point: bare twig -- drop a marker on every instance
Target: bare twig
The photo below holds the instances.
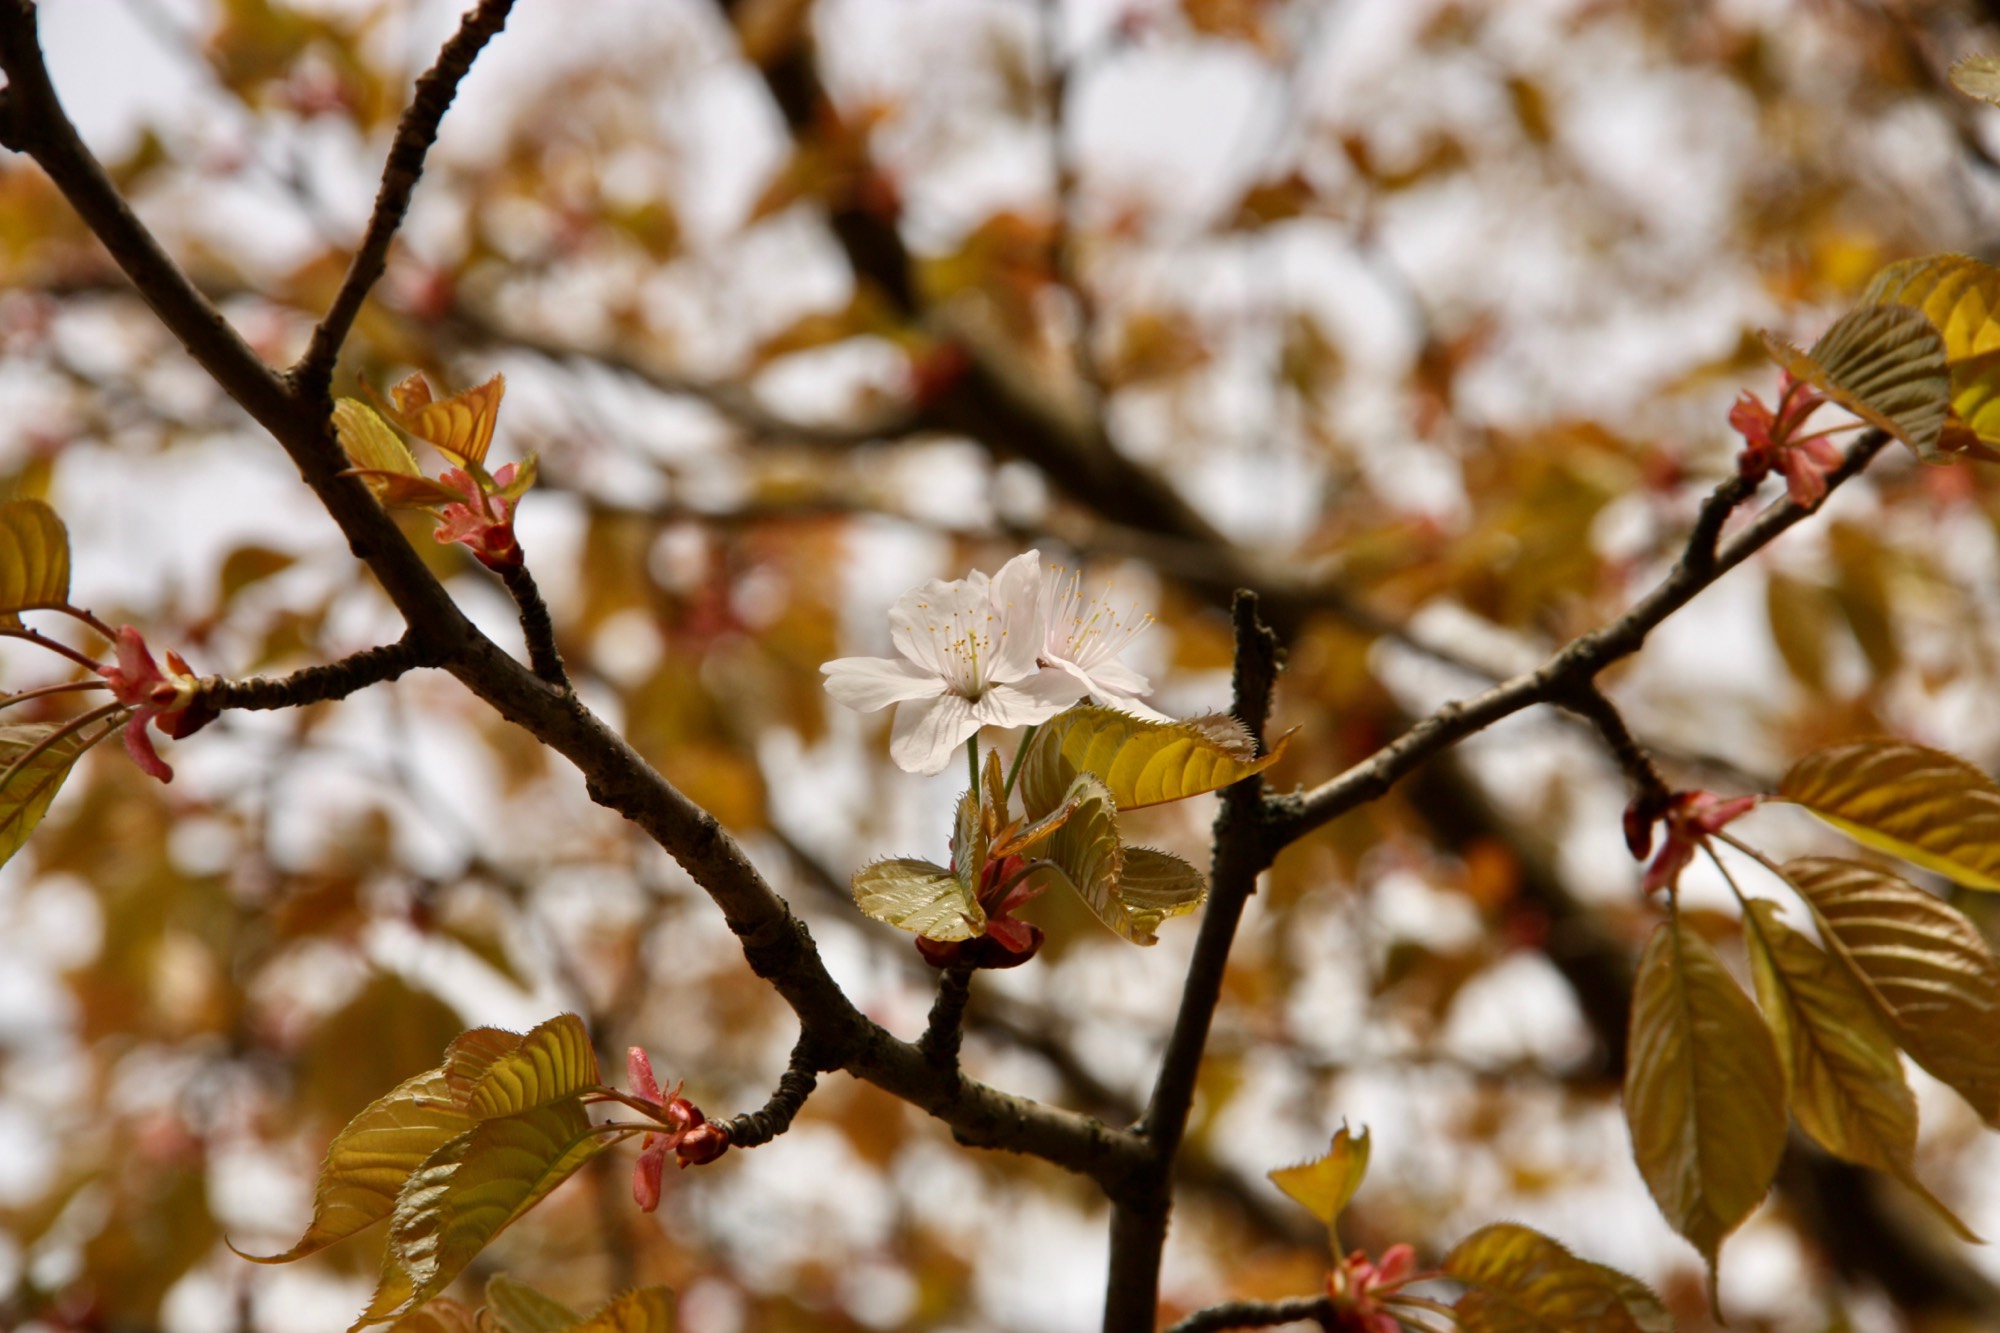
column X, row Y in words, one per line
column 540, row 632
column 317, row 684
column 1578, row 662
column 415, row 134
column 1258, row 1314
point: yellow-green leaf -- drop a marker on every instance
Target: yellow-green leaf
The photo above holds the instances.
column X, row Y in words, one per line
column 369, row 442
column 1961, row 298
column 1847, row 1087
column 1326, row 1184
column 34, row 559
column 25, row 798
column 919, row 897
column 1926, row 968
column 519, row 1308
column 927, row 899
column 1978, row 76
column 470, row 1190
column 1086, row 854
column 1520, row 1281
column 1141, row 762
column 552, row 1062
column 1704, row 1092
column 1155, row 885
column 1929, row 808
column 523, row 479
column 368, row 1162
column 1885, row 364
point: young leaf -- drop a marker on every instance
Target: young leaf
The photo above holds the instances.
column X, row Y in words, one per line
column 1929, row 808
column 647, row 1310
column 467, row 1192
column 368, row 1162
column 440, row 1316
column 473, row 1052
column 1704, row 1092
column 919, row 897
column 1847, row 1086
column 519, row 1308
column 26, row 797
column 926, row 899
column 552, row 1062
column 1927, row 970
column 1978, row 76
column 1956, row 293
column 1520, row 1281
column 1326, row 1184
column 1885, row 364
column 461, row 425
column 1141, row 762
column 369, row 443
column 34, row 559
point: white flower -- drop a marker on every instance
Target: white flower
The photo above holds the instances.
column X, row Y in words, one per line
column 1083, row 641
column 969, row 647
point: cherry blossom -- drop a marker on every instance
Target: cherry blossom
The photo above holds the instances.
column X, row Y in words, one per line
column 970, row 651
column 1083, row 639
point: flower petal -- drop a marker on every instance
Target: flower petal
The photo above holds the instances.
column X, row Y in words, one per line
column 1026, row 703
column 866, row 684
column 1022, row 625
column 927, row 731
column 932, row 624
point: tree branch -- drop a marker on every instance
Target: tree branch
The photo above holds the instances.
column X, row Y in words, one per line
column 1258, row 1314
column 415, row 133
column 774, row 941
column 317, row 684
column 540, row 632
column 1577, row 663
column 1242, row 851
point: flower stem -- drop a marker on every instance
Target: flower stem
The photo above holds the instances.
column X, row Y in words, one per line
column 972, row 763
column 1014, row 769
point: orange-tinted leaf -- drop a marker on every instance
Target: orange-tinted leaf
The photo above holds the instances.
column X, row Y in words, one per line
column 440, row 1316
column 1141, row 762
column 1846, row 1080
column 461, row 425
column 34, row 559
column 1520, row 1281
column 1885, row 364
column 647, row 1310
column 1928, row 807
column 1326, row 1184
column 1926, row 968
column 1704, row 1092
column 396, row 491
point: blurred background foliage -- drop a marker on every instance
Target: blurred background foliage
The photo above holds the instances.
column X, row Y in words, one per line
column 1420, row 317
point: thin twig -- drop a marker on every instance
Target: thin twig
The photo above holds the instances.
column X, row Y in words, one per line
column 318, row 684
column 1258, row 1314
column 1578, row 662
column 415, row 134
column 43, row 691
column 41, row 640
column 946, row 1028
column 801, row 1076
column 544, row 658
column 1594, row 706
